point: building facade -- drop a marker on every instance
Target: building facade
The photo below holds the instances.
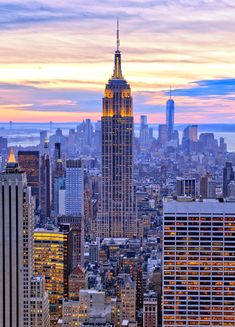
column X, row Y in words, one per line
column 162, row 135
column 198, row 264
column 29, row 161
column 16, row 246
column 76, row 225
column 144, row 132
column 126, row 292
column 150, row 310
column 74, row 187
column 40, row 316
column 78, row 280
column 51, row 262
column 186, row 187
column 228, row 176
column 45, row 184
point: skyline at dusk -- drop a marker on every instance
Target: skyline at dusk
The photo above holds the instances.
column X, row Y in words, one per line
column 55, row 58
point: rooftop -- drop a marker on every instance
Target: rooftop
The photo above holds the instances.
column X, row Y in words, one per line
column 207, row 206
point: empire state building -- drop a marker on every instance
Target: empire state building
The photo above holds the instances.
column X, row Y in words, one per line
column 117, row 214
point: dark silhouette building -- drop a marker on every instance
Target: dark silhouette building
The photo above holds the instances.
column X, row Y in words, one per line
column 228, row 176
column 45, row 184
column 29, row 162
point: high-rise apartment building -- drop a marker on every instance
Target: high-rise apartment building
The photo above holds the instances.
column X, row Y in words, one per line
column 29, row 161
column 74, row 187
column 117, row 215
column 16, row 246
column 198, row 263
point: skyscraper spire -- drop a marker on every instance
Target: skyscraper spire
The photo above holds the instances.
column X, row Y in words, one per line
column 170, row 92
column 117, row 73
column 12, row 165
column 11, row 158
column 118, row 40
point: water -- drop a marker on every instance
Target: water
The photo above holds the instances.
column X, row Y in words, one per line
column 26, row 134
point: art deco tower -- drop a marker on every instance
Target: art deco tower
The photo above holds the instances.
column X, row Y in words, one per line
column 117, row 216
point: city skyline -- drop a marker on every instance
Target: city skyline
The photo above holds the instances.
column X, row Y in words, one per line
column 60, row 76
column 117, row 163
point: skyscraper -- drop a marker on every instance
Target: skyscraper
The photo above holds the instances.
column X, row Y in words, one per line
column 3, row 152
column 207, row 187
column 144, row 132
column 117, row 216
column 57, row 152
column 190, row 138
column 45, row 183
column 74, row 187
column 162, row 135
column 228, row 176
column 170, row 119
column 59, row 184
column 76, row 223
column 88, row 131
column 58, row 178
column 16, row 246
column 43, row 136
column 198, row 263
column 29, row 162
column 51, row 261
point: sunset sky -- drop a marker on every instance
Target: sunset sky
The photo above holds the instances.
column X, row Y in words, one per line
column 56, row 56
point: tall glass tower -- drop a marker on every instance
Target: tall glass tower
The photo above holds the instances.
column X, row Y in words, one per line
column 170, row 119
column 117, row 215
